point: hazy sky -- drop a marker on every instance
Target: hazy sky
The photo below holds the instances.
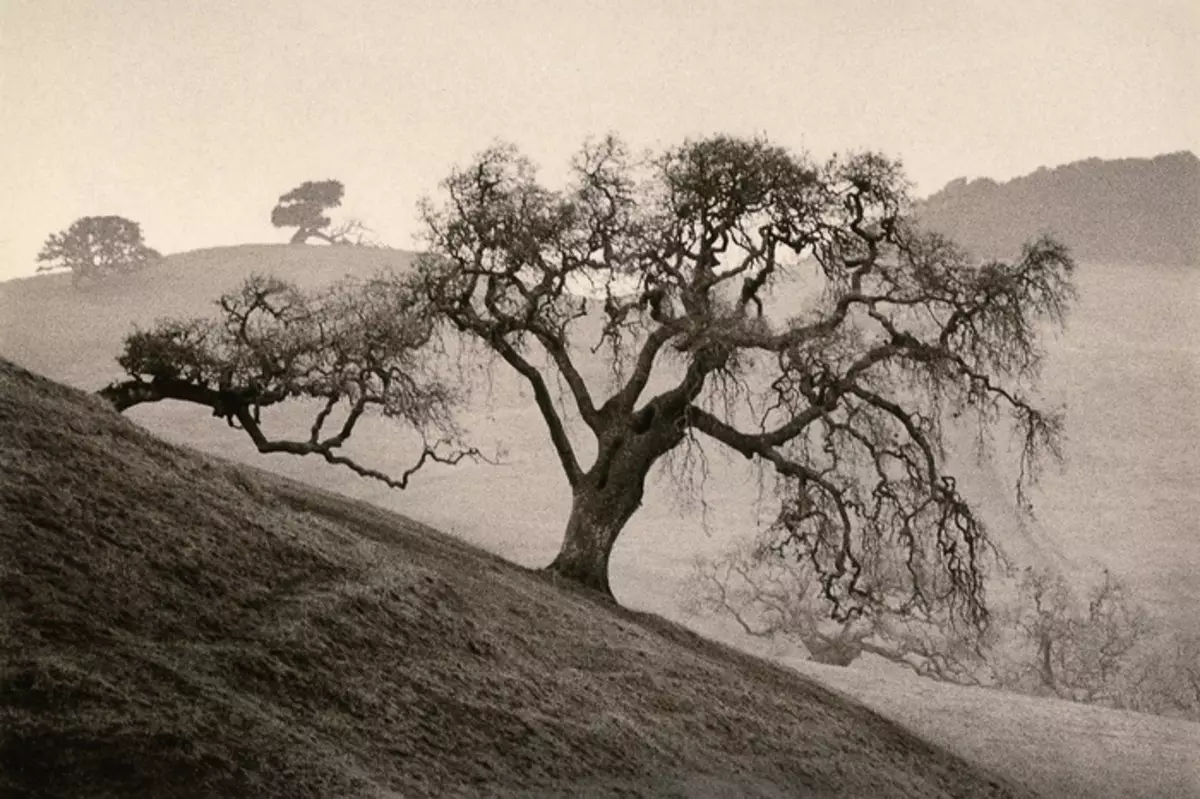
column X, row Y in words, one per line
column 193, row 117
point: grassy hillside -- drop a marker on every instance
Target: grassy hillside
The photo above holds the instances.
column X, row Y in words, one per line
column 175, row 625
column 1131, row 210
column 1065, row 749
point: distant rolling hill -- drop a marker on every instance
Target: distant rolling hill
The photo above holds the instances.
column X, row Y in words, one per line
column 177, row 625
column 1129, row 211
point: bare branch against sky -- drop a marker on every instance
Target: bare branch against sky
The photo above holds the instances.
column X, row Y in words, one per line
column 192, row 117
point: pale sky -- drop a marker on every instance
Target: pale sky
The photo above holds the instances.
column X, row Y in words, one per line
column 193, row 117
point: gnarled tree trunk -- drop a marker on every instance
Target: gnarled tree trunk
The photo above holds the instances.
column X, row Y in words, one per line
column 597, row 517
column 605, row 498
column 302, row 236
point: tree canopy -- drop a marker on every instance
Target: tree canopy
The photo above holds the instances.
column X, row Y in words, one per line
column 742, row 297
column 96, row 247
column 304, row 208
column 842, row 398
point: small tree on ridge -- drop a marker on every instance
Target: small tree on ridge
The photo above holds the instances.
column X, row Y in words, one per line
column 304, row 208
column 96, row 247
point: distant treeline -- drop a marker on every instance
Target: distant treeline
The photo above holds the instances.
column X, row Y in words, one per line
column 1133, row 210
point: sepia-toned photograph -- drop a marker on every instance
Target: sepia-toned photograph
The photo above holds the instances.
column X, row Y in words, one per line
column 600, row 398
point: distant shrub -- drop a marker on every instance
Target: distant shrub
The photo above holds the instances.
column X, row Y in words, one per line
column 304, row 208
column 1091, row 643
column 96, row 247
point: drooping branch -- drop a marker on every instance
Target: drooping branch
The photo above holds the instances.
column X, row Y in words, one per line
column 780, row 601
column 357, row 347
column 831, row 513
column 328, row 449
column 240, row 410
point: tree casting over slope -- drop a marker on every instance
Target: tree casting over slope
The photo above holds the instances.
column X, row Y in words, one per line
column 352, row 348
column 842, row 399
column 678, row 259
column 96, row 247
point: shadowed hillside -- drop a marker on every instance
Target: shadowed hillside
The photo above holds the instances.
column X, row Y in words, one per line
column 1129, row 211
column 1126, row 497
column 174, row 625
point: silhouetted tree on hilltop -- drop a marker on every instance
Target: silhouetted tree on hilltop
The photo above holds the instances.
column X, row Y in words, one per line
column 304, row 208
column 96, row 247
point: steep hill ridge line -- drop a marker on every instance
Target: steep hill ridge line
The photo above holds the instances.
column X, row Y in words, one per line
column 1131, row 210
column 174, row 624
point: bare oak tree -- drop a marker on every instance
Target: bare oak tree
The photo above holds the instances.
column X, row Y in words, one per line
column 1071, row 647
column 352, row 348
column 842, row 398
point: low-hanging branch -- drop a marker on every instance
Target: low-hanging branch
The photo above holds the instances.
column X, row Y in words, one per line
column 241, row 411
column 774, row 600
column 349, row 347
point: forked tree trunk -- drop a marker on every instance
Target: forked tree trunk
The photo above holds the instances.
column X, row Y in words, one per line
column 603, row 502
column 598, row 515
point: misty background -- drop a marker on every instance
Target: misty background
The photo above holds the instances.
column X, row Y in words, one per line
column 192, row 118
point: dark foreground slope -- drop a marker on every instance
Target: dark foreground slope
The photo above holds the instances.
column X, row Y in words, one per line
column 174, row 625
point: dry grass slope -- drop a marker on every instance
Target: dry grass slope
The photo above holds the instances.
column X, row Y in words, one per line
column 176, row 625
